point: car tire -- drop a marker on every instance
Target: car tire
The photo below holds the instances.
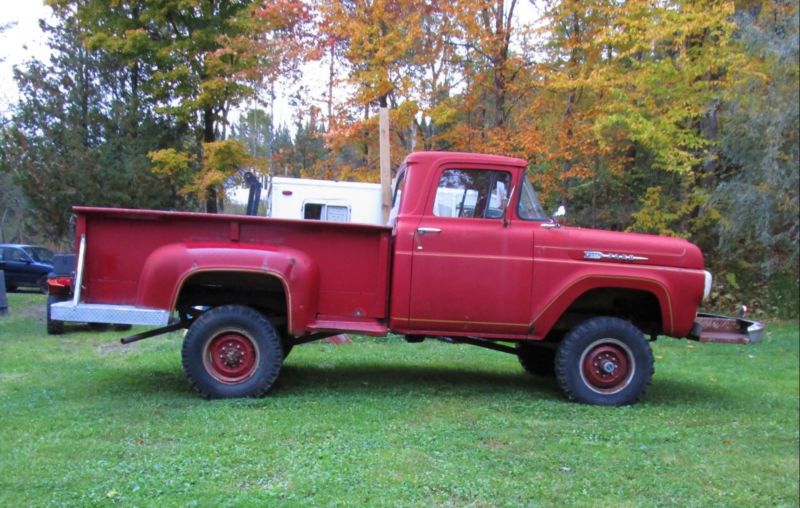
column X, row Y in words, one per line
column 537, row 359
column 604, row 361
column 232, row 351
column 42, row 285
column 54, row 327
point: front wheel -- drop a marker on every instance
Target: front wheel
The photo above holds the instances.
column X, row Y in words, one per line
column 232, row 351
column 604, row 361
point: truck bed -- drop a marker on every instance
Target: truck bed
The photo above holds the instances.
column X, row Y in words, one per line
column 352, row 260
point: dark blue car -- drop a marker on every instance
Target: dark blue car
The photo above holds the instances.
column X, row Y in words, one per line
column 25, row 265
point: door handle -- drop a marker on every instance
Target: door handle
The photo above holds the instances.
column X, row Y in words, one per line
column 428, row 231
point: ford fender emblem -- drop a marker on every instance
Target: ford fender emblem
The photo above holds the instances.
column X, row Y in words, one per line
column 596, row 255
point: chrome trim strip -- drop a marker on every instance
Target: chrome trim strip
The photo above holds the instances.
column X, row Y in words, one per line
column 423, row 231
column 100, row 313
column 755, row 332
column 76, row 297
column 707, row 284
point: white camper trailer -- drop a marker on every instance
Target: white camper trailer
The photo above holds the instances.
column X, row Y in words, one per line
column 302, row 198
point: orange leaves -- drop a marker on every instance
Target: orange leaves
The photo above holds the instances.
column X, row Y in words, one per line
column 380, row 38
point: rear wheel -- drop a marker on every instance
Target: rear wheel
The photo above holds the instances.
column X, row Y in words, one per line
column 537, row 359
column 232, row 351
column 54, row 327
column 286, row 347
column 604, row 361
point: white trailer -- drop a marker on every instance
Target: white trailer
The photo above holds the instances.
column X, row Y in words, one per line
column 304, row 198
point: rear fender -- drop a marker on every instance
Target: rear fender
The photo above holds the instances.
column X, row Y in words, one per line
column 168, row 267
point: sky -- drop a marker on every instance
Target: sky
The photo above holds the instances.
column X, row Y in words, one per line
column 25, row 40
column 19, row 43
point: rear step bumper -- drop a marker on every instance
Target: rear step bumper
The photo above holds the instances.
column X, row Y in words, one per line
column 726, row 330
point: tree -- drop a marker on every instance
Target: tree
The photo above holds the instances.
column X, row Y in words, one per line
column 73, row 139
column 201, row 58
column 760, row 152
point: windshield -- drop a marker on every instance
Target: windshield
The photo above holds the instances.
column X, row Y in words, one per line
column 529, row 207
column 39, row 254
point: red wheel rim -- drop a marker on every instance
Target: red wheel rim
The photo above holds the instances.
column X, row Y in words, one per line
column 607, row 366
column 231, row 357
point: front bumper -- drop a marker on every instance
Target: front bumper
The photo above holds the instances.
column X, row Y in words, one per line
column 726, row 330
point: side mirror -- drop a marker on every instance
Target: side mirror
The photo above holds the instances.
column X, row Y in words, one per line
column 560, row 212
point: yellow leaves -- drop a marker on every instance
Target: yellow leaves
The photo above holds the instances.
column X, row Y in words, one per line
column 224, row 156
column 655, row 215
column 221, row 160
column 170, row 162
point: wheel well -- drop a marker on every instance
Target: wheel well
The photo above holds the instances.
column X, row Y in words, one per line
column 641, row 308
column 260, row 291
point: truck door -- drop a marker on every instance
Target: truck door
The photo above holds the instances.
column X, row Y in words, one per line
column 470, row 273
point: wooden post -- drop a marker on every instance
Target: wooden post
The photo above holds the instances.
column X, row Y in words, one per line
column 385, row 159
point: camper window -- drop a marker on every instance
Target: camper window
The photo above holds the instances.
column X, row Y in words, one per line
column 323, row 211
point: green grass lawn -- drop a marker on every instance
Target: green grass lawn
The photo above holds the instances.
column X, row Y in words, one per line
column 86, row 421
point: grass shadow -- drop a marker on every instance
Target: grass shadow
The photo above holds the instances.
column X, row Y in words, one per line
column 367, row 380
column 388, row 379
column 678, row 392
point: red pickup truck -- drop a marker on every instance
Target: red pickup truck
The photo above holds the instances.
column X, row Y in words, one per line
column 468, row 256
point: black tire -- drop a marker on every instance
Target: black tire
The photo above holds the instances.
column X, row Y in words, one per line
column 287, row 347
column 42, row 285
column 537, row 359
column 232, row 351
column 604, row 361
column 54, row 327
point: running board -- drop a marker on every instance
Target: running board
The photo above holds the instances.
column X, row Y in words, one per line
column 334, row 326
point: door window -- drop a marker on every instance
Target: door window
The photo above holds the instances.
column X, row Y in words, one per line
column 472, row 193
column 15, row 255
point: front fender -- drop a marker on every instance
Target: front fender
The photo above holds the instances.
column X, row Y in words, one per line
column 547, row 315
column 168, row 267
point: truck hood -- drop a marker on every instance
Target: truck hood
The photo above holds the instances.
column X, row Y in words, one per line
column 627, row 248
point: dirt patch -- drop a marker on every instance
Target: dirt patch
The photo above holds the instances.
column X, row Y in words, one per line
column 10, row 376
column 116, row 348
column 37, row 312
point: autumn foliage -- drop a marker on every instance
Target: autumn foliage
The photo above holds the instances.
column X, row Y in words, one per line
column 670, row 117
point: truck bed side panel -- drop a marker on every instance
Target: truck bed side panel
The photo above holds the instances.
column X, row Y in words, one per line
column 352, row 260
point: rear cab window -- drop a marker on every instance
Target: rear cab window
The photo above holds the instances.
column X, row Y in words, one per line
column 472, row 193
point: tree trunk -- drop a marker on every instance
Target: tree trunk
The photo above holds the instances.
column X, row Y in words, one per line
column 208, row 137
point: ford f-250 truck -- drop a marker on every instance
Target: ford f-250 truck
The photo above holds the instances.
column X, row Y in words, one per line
column 468, row 255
